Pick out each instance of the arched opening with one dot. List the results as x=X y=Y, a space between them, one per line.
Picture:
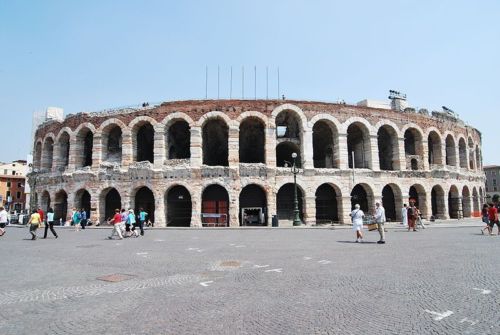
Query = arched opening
x=358 y=145
x=252 y=141
x=413 y=148
x=418 y=195
x=478 y=158
x=144 y=142
x=387 y=139
x=414 y=164
x=61 y=206
x=37 y=162
x=481 y=197
x=389 y=203
x=437 y=202
x=451 y=153
x=466 y=202
x=112 y=144
x=179 y=207
x=471 y=154
x=145 y=199
x=45 y=201
x=362 y=194
x=215 y=143
x=325 y=143
x=215 y=206
x=476 y=203
x=285 y=202
x=179 y=140
x=84 y=149
x=82 y=201
x=288 y=138
x=64 y=147
x=326 y=205
x=462 y=151
x=253 y=206
x=454 y=202
x=284 y=153
x=110 y=200
x=435 y=152
x=48 y=154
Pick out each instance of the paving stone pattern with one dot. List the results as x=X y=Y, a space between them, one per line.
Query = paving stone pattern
x=301 y=281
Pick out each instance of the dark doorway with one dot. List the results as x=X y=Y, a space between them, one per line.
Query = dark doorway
x=285 y=202
x=82 y=200
x=326 y=205
x=358 y=144
x=389 y=203
x=252 y=141
x=360 y=196
x=48 y=156
x=410 y=142
x=179 y=207
x=145 y=143
x=61 y=206
x=215 y=206
x=434 y=146
x=145 y=199
x=88 y=144
x=253 y=206
x=323 y=146
x=284 y=153
x=64 y=147
x=113 y=144
x=112 y=201
x=215 y=143
x=451 y=155
x=179 y=140
x=45 y=201
x=453 y=203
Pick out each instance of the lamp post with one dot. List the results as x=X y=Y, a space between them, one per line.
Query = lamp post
x=295 y=170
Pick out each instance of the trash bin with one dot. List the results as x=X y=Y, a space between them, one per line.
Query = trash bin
x=275 y=221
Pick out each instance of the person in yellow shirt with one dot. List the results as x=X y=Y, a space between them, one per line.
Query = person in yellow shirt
x=34 y=223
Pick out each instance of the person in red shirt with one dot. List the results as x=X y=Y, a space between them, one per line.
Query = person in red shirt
x=493 y=218
x=41 y=213
x=116 y=221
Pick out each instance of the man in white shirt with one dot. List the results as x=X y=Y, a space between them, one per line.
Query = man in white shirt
x=380 y=220
x=4 y=217
x=404 y=216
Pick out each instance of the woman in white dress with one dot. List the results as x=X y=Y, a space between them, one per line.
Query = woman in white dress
x=357 y=216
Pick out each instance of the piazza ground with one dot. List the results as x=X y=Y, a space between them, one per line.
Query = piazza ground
x=251 y=281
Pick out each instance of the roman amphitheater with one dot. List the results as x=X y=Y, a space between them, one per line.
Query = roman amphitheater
x=228 y=162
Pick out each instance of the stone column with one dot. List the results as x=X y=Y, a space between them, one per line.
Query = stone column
x=343 y=153
x=402 y=153
x=196 y=147
x=457 y=158
x=97 y=152
x=374 y=159
x=309 y=204
x=308 y=150
x=233 y=147
x=160 y=214
x=442 y=207
x=425 y=155
x=270 y=149
x=75 y=152
x=234 y=207
x=57 y=161
x=196 y=210
x=345 y=208
x=159 y=147
x=95 y=211
x=271 y=205
x=127 y=148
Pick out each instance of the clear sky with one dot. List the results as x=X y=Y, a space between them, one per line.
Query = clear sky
x=96 y=54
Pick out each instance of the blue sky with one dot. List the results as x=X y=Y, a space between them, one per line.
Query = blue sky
x=91 y=55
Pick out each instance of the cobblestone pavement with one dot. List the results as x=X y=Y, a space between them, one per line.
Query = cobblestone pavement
x=291 y=281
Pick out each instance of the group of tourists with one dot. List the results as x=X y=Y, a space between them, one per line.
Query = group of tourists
x=37 y=218
x=489 y=215
x=411 y=218
x=79 y=218
x=125 y=223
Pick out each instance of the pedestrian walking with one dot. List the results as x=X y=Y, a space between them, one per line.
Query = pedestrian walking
x=357 y=216
x=493 y=218
x=143 y=215
x=76 y=219
x=4 y=219
x=404 y=216
x=41 y=213
x=420 y=221
x=34 y=223
x=83 y=218
x=124 y=216
x=132 y=222
x=485 y=219
x=116 y=221
x=50 y=223
x=380 y=220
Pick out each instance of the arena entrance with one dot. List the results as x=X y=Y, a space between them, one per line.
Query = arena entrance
x=361 y=196
x=389 y=203
x=145 y=199
x=454 y=201
x=109 y=202
x=215 y=207
x=253 y=206
x=285 y=202
x=326 y=205
x=82 y=201
x=437 y=202
x=61 y=206
x=179 y=207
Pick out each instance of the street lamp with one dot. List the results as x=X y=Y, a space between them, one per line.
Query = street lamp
x=295 y=170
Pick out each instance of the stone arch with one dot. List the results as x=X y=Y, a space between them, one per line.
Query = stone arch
x=252 y=140
x=392 y=200
x=45 y=200
x=253 y=114
x=462 y=152
x=451 y=151
x=362 y=194
x=289 y=107
x=472 y=160
x=109 y=200
x=454 y=203
x=215 y=141
x=418 y=194
x=327 y=206
x=414 y=149
x=63 y=146
x=112 y=140
x=37 y=159
x=285 y=202
x=253 y=206
x=289 y=133
x=84 y=145
x=434 y=148
x=144 y=198
x=83 y=201
x=143 y=134
x=438 y=202
x=48 y=152
x=215 y=205
x=178 y=139
x=61 y=206
x=388 y=147
x=466 y=202
x=214 y=115
x=179 y=206
x=177 y=116
x=325 y=144
x=359 y=145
